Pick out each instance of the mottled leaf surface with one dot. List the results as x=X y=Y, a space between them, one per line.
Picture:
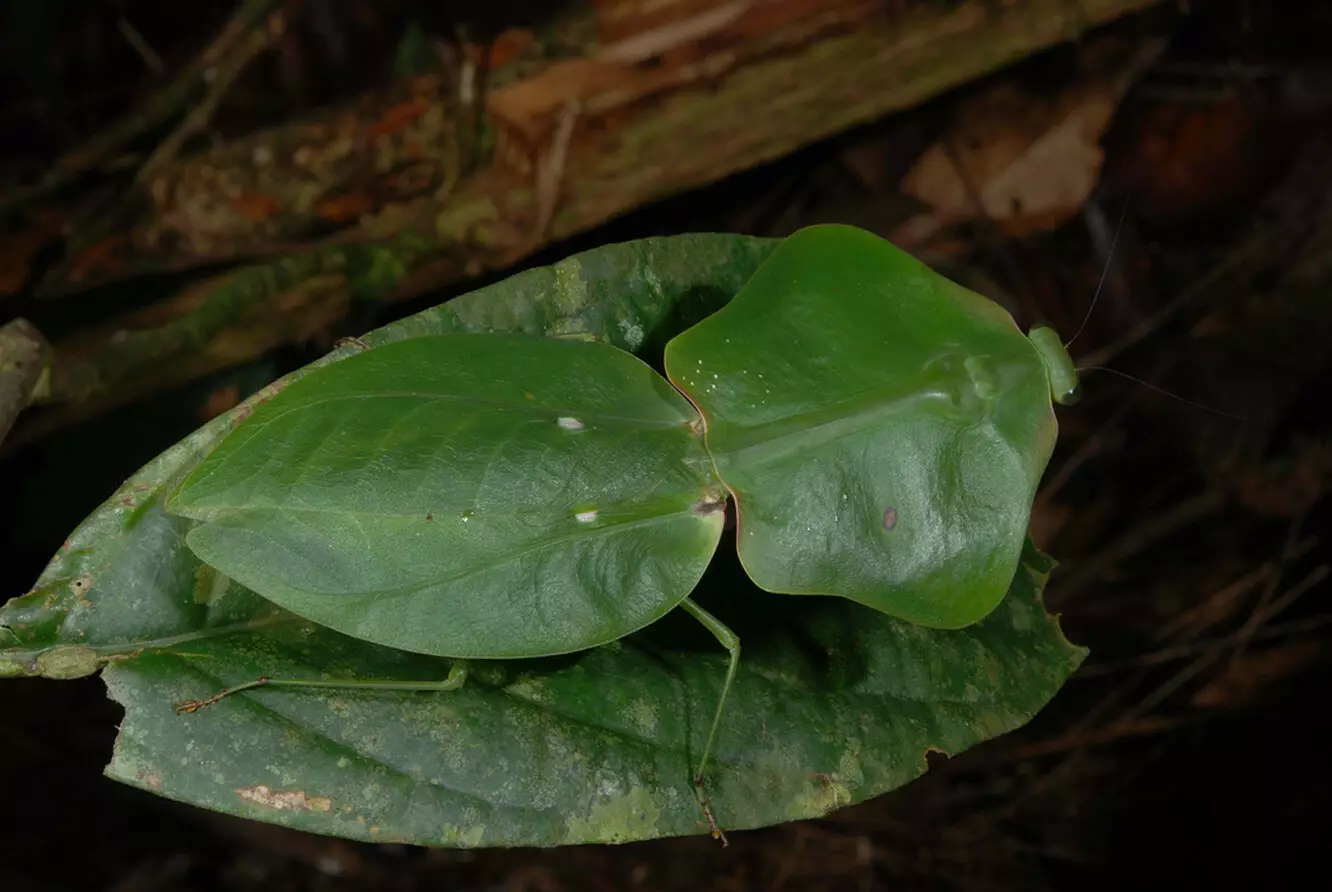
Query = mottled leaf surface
x=835 y=703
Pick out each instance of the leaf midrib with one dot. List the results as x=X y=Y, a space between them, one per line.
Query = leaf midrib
x=497 y=560
x=683 y=421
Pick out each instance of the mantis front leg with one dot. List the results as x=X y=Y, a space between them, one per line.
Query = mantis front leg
x=456 y=678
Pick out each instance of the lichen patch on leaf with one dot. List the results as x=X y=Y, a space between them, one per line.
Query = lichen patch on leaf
x=621 y=818
x=284 y=800
x=81 y=585
x=65 y=662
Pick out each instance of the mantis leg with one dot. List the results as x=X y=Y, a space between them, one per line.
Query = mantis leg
x=456 y=678
x=731 y=642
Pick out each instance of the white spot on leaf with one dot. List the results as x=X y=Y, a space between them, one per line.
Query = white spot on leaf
x=570 y=424
x=586 y=516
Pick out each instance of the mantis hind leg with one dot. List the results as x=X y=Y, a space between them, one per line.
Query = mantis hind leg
x=731 y=642
x=456 y=678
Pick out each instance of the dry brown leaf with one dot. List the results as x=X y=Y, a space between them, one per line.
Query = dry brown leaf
x=1024 y=161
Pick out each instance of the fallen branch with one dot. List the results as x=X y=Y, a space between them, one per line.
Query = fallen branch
x=24 y=359
x=668 y=141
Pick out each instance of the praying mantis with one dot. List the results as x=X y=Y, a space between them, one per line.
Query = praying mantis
x=879 y=429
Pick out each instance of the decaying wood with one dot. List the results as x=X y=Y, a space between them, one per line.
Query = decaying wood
x=717 y=100
x=24 y=359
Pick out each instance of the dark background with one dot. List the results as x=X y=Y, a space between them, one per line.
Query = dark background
x=1191 y=749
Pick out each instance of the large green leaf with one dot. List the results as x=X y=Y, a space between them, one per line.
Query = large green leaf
x=882 y=429
x=125 y=580
x=834 y=702
x=410 y=496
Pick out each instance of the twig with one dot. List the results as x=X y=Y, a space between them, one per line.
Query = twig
x=142 y=47
x=1133 y=717
x=480 y=227
x=229 y=297
x=220 y=77
x=1197 y=666
x=24 y=369
x=1136 y=539
x=1260 y=615
x=1181 y=651
x=1112 y=733
x=550 y=171
x=154 y=111
x=1192 y=622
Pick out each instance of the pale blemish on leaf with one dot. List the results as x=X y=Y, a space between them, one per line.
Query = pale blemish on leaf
x=633 y=334
x=850 y=769
x=149 y=780
x=284 y=800
x=626 y=817
x=209 y=585
x=570 y=424
x=462 y=837
x=826 y=793
x=570 y=292
x=586 y=516
x=67 y=661
x=528 y=689
x=643 y=713
x=81 y=585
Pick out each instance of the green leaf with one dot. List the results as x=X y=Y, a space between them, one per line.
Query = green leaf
x=882 y=429
x=834 y=703
x=125 y=579
x=410 y=496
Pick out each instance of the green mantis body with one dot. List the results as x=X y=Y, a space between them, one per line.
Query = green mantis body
x=880 y=429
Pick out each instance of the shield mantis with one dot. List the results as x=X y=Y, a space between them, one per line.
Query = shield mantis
x=880 y=430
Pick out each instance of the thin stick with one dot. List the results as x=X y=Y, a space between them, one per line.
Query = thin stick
x=154 y=111
x=1165 y=523
x=1183 y=651
x=1259 y=615
x=150 y=56
x=220 y=79
x=456 y=678
x=731 y=642
x=550 y=170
